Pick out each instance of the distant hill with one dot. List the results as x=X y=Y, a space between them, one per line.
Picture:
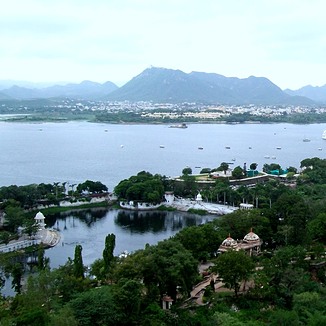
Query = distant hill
x=85 y=90
x=167 y=85
x=317 y=93
x=4 y=96
x=174 y=86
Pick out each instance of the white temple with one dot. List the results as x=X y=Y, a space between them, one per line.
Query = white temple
x=39 y=220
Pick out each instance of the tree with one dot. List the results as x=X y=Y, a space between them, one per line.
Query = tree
x=237 y=172
x=142 y=187
x=253 y=166
x=96 y=307
x=92 y=187
x=42 y=262
x=14 y=217
x=234 y=267
x=317 y=228
x=186 y=171
x=17 y=274
x=30 y=227
x=205 y=170
x=223 y=167
x=108 y=256
x=4 y=237
x=292 y=169
x=164 y=269
x=128 y=297
x=78 y=262
x=292 y=211
x=207 y=241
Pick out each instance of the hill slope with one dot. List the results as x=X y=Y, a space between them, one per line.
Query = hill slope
x=317 y=94
x=85 y=90
x=167 y=85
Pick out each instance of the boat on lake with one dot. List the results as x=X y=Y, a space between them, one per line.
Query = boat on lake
x=306 y=140
x=323 y=136
x=181 y=126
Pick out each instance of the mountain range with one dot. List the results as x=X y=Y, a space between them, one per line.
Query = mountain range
x=87 y=90
x=174 y=86
x=316 y=93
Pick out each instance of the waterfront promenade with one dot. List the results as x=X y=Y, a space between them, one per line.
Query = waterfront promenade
x=46 y=237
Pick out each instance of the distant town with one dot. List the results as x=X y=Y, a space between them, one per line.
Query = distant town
x=149 y=112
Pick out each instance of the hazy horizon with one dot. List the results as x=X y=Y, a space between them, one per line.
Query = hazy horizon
x=45 y=41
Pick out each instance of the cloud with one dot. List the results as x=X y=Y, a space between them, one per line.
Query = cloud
x=118 y=38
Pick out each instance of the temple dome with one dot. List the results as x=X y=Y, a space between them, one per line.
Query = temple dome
x=229 y=242
x=251 y=237
x=199 y=197
x=39 y=216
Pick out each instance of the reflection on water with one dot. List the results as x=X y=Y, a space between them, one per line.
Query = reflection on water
x=89 y=227
x=156 y=221
x=133 y=229
x=88 y=216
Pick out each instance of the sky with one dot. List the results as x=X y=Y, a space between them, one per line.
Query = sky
x=115 y=40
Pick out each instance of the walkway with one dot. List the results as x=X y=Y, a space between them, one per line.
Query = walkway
x=47 y=237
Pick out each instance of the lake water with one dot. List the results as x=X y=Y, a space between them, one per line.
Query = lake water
x=132 y=230
x=76 y=151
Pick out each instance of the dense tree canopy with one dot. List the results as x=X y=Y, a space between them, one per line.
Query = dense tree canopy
x=142 y=187
x=234 y=267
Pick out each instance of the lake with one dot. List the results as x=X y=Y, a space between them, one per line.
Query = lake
x=76 y=151
x=133 y=230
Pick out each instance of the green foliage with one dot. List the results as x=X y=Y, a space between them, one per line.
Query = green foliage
x=92 y=187
x=128 y=297
x=108 y=256
x=197 y=211
x=223 y=167
x=202 y=241
x=234 y=267
x=253 y=166
x=205 y=170
x=186 y=171
x=293 y=213
x=42 y=262
x=17 y=274
x=14 y=217
x=163 y=268
x=78 y=262
x=239 y=223
x=142 y=187
x=285 y=293
x=238 y=172
x=96 y=307
x=317 y=228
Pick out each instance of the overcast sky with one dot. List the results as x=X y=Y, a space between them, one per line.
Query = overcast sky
x=115 y=40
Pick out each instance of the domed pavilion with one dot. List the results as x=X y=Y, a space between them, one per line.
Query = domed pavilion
x=251 y=244
x=228 y=244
